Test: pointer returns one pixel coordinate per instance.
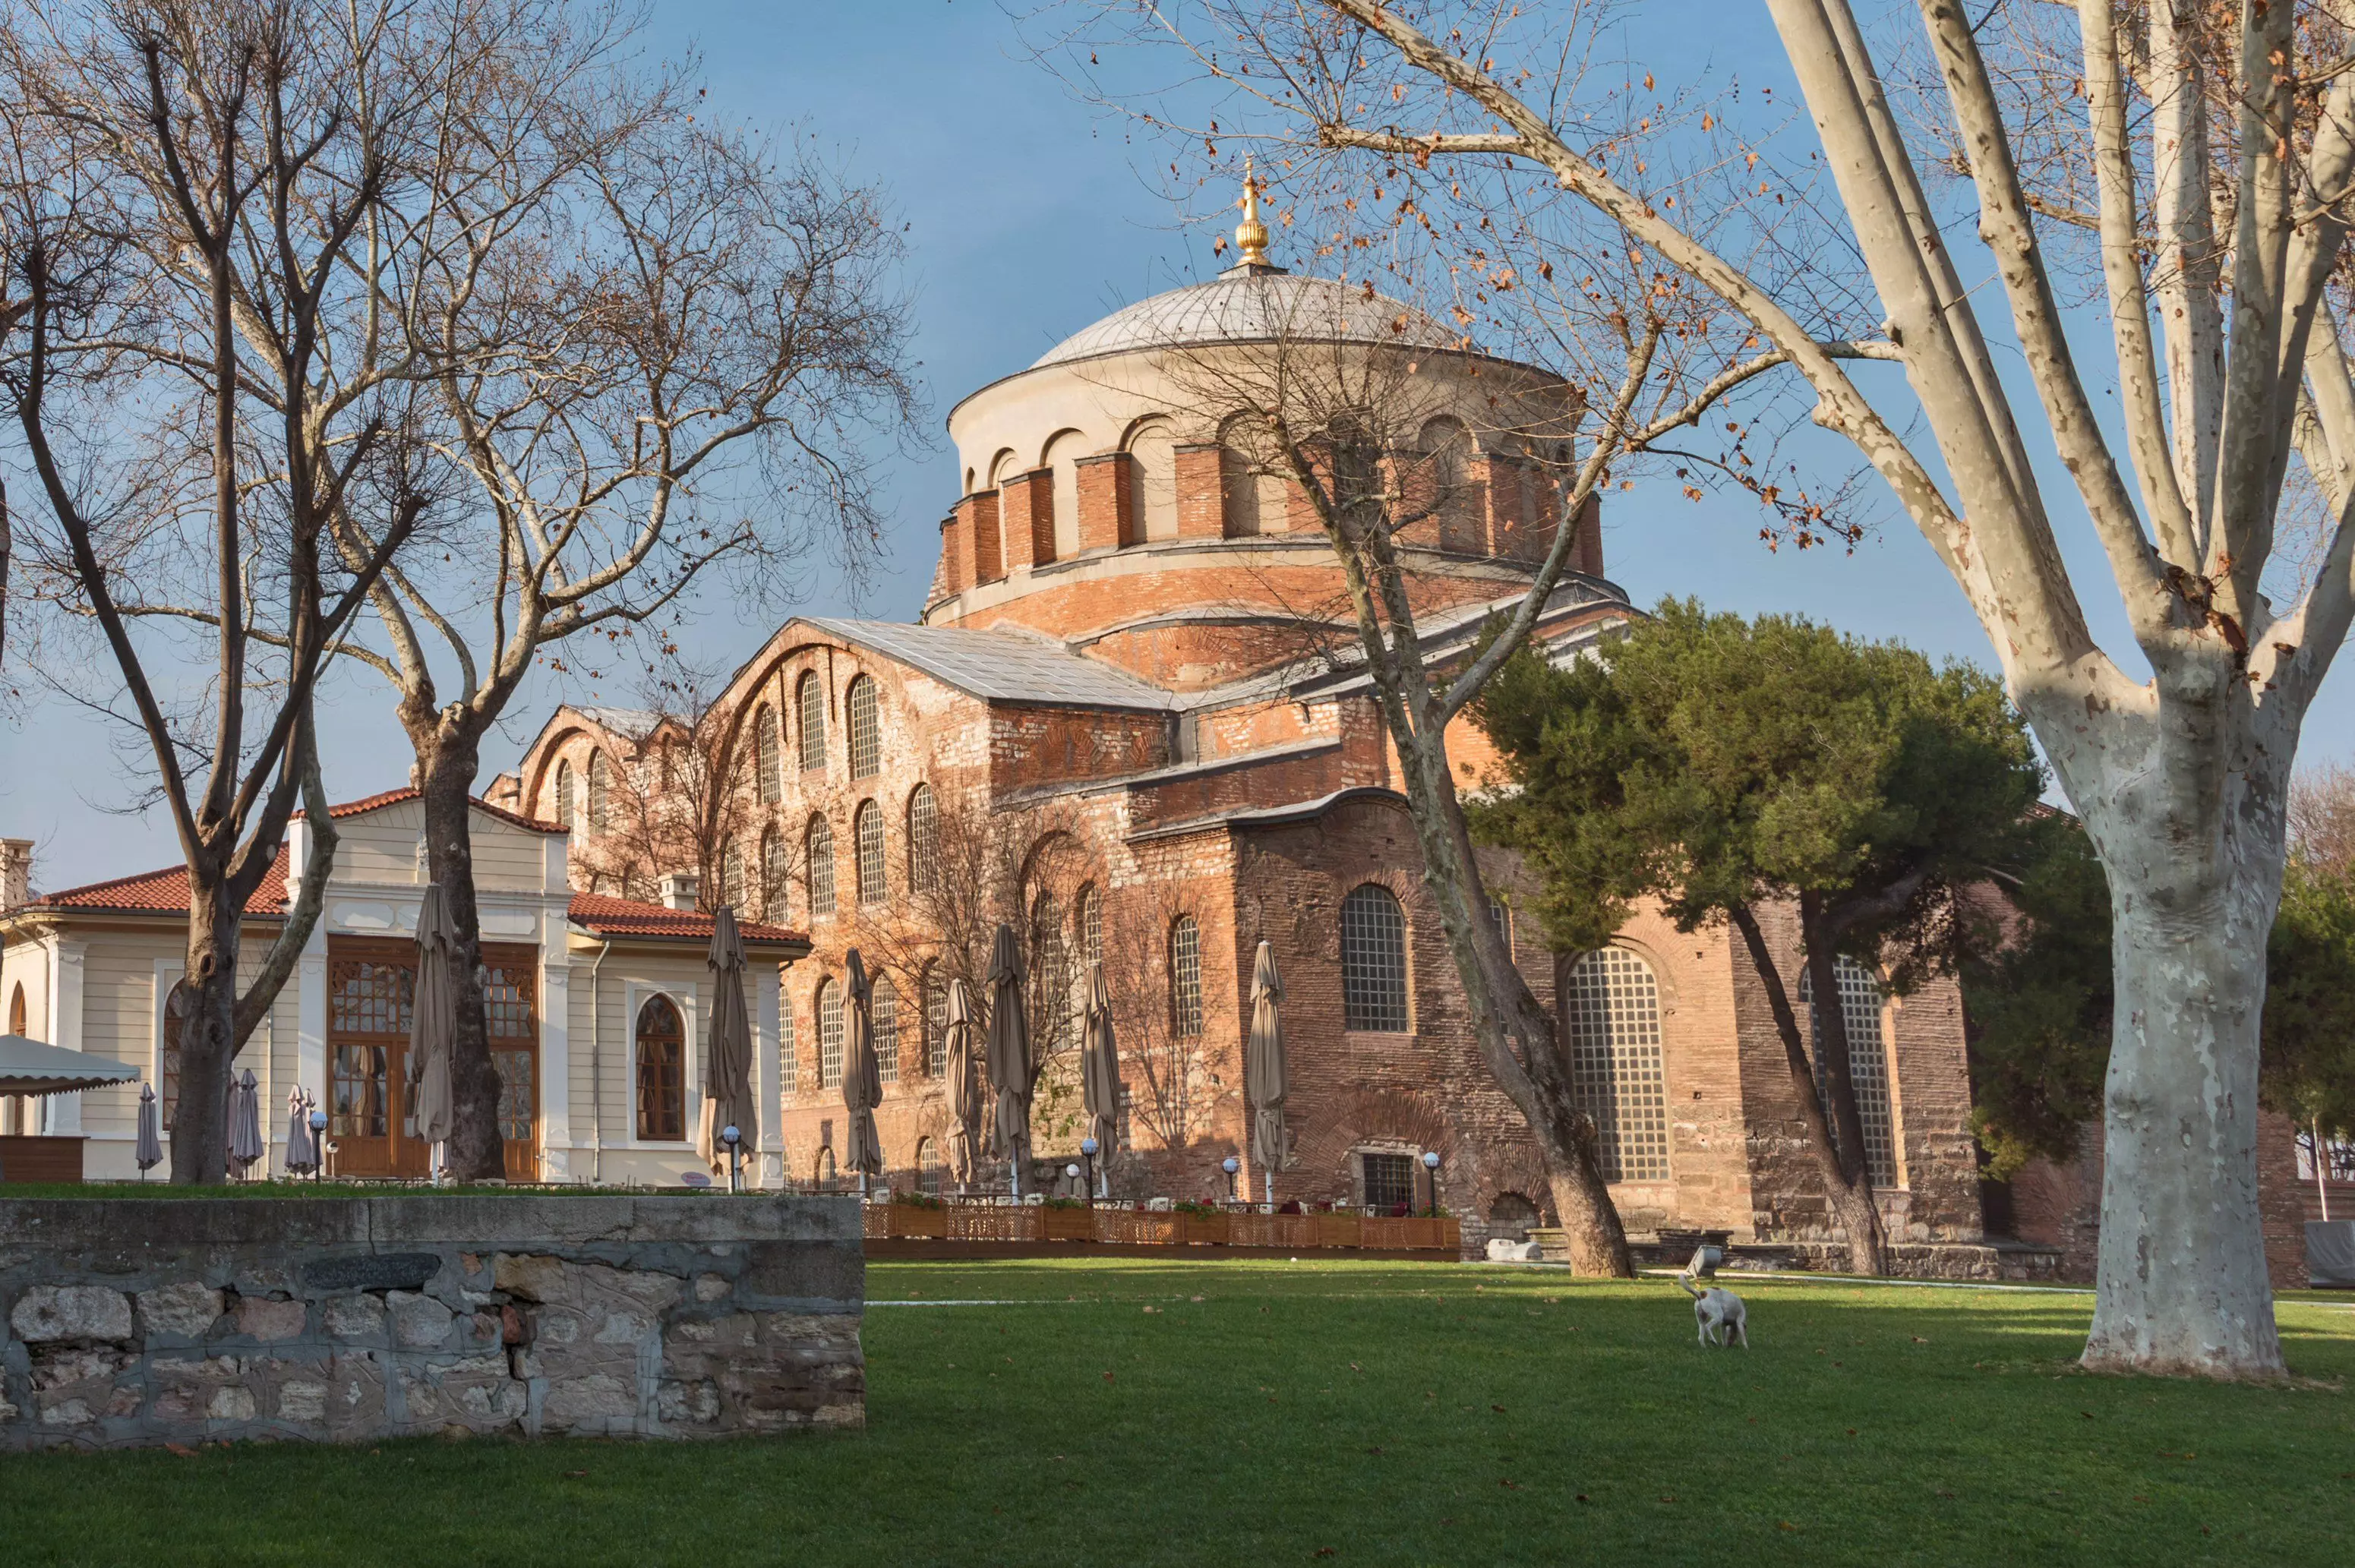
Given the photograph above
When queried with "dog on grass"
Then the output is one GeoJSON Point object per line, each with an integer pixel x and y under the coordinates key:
{"type": "Point", "coordinates": [1719, 1312]}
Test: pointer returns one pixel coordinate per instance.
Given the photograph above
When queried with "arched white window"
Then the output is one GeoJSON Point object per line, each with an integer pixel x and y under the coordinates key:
{"type": "Point", "coordinates": [568, 807]}
{"type": "Point", "coordinates": [883, 1013]}
{"type": "Point", "coordinates": [764, 755]}
{"type": "Point", "coordinates": [866, 730]}
{"type": "Point", "coordinates": [776, 875]}
{"type": "Point", "coordinates": [868, 826]}
{"type": "Point", "coordinates": [820, 854]}
{"type": "Point", "coordinates": [937, 1022]}
{"type": "Point", "coordinates": [731, 875]}
{"type": "Point", "coordinates": [1374, 960]}
{"type": "Point", "coordinates": [1153, 480]}
{"type": "Point", "coordinates": [829, 1035]}
{"type": "Point", "coordinates": [923, 839]}
{"type": "Point", "coordinates": [600, 808]}
{"type": "Point", "coordinates": [813, 717]}
{"type": "Point", "coordinates": [1186, 978]}
{"type": "Point", "coordinates": [789, 1043]}
{"type": "Point", "coordinates": [1052, 1014]}
{"type": "Point", "coordinates": [928, 1166]}
{"type": "Point", "coordinates": [1611, 1010]}
{"type": "Point", "coordinates": [1087, 915]}
{"type": "Point", "coordinates": [821, 1169]}
{"type": "Point", "coordinates": [1868, 1061]}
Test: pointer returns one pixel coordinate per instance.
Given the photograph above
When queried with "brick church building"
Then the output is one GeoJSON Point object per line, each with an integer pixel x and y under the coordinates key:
{"type": "Point", "coordinates": [1103, 730]}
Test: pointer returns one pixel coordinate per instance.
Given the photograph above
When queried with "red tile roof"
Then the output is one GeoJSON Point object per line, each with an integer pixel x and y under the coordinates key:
{"type": "Point", "coordinates": [627, 917]}
{"type": "Point", "coordinates": [395, 796]}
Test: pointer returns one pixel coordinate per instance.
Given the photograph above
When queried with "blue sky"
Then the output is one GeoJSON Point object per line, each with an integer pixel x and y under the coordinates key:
{"type": "Point", "coordinates": [1029, 220]}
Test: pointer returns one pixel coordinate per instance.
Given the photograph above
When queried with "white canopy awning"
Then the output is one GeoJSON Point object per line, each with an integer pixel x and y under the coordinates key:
{"type": "Point", "coordinates": [28, 1067]}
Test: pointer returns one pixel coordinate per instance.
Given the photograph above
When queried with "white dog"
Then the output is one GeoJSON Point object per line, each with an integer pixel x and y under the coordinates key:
{"type": "Point", "coordinates": [1719, 1312]}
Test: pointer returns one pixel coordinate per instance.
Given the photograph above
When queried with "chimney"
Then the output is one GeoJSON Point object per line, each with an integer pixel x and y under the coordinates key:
{"type": "Point", "coordinates": [16, 872]}
{"type": "Point", "coordinates": [679, 889]}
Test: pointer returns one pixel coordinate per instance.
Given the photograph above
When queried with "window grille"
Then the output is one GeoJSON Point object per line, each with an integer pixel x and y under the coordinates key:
{"type": "Point", "coordinates": [1868, 1061]}
{"type": "Point", "coordinates": [869, 827]}
{"type": "Point", "coordinates": [883, 1011]}
{"type": "Point", "coordinates": [731, 875]}
{"type": "Point", "coordinates": [821, 867]}
{"type": "Point", "coordinates": [866, 730]}
{"type": "Point", "coordinates": [928, 1166]}
{"type": "Point", "coordinates": [813, 700]}
{"type": "Point", "coordinates": [1389, 1180]}
{"type": "Point", "coordinates": [764, 755]}
{"type": "Point", "coordinates": [1504, 919]}
{"type": "Point", "coordinates": [776, 876]}
{"type": "Point", "coordinates": [924, 839]}
{"type": "Point", "coordinates": [1091, 925]}
{"type": "Point", "coordinates": [2340, 1153]}
{"type": "Point", "coordinates": [1186, 978]}
{"type": "Point", "coordinates": [567, 808]}
{"type": "Point", "coordinates": [789, 1044]}
{"type": "Point", "coordinates": [662, 1072]}
{"type": "Point", "coordinates": [937, 1022]}
{"type": "Point", "coordinates": [1126, 1124]}
{"type": "Point", "coordinates": [1374, 960]}
{"type": "Point", "coordinates": [1613, 1010]}
{"type": "Point", "coordinates": [829, 1036]}
{"type": "Point", "coordinates": [601, 806]}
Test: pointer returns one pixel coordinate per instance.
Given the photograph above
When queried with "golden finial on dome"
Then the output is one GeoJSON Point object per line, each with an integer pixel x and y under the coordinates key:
{"type": "Point", "coordinates": [1250, 234]}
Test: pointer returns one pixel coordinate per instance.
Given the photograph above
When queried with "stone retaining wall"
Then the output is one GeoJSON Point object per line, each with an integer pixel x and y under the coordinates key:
{"type": "Point", "coordinates": [136, 1322]}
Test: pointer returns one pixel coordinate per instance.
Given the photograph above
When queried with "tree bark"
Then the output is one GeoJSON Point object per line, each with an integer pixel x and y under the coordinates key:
{"type": "Point", "coordinates": [448, 759]}
{"type": "Point", "coordinates": [207, 1036]}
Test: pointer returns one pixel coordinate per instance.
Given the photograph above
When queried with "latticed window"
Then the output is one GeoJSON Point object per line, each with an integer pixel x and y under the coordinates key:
{"type": "Point", "coordinates": [1504, 919]}
{"type": "Point", "coordinates": [1374, 960]}
{"type": "Point", "coordinates": [732, 874]}
{"type": "Point", "coordinates": [662, 1072]}
{"type": "Point", "coordinates": [937, 1022]}
{"type": "Point", "coordinates": [178, 1005]}
{"type": "Point", "coordinates": [764, 754]}
{"type": "Point", "coordinates": [829, 1036]}
{"type": "Point", "coordinates": [1186, 978]}
{"type": "Point", "coordinates": [1389, 1180]}
{"type": "Point", "coordinates": [923, 839]}
{"type": "Point", "coordinates": [601, 789]}
{"type": "Point", "coordinates": [928, 1166]}
{"type": "Point", "coordinates": [507, 992]}
{"type": "Point", "coordinates": [866, 730]}
{"type": "Point", "coordinates": [776, 875]}
{"type": "Point", "coordinates": [789, 1043]}
{"type": "Point", "coordinates": [1052, 1015]}
{"type": "Point", "coordinates": [567, 809]}
{"type": "Point", "coordinates": [1611, 1010]}
{"type": "Point", "coordinates": [821, 867]}
{"type": "Point", "coordinates": [1868, 1061]}
{"type": "Point", "coordinates": [1091, 921]}
{"type": "Point", "coordinates": [813, 706]}
{"type": "Point", "coordinates": [883, 1010]}
{"type": "Point", "coordinates": [868, 826]}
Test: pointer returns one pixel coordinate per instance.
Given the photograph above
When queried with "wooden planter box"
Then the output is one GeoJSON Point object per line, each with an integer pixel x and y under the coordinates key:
{"type": "Point", "coordinates": [1129, 1227]}
{"type": "Point", "coordinates": [1208, 1230]}
{"type": "Point", "coordinates": [1294, 1231]}
{"type": "Point", "coordinates": [1067, 1224]}
{"type": "Point", "coordinates": [1416, 1232]}
{"type": "Point", "coordinates": [990, 1222]}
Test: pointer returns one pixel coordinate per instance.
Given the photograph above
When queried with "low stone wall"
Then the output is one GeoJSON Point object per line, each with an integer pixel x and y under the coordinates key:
{"type": "Point", "coordinates": [137, 1322]}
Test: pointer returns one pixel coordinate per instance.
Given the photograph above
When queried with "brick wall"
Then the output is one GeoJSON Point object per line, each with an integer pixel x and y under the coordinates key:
{"type": "Point", "coordinates": [1201, 493]}
{"type": "Point", "coordinates": [1108, 517]}
{"type": "Point", "coordinates": [1027, 505]}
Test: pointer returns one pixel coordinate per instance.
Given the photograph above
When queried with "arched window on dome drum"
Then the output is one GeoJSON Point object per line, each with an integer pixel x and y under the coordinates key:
{"type": "Point", "coordinates": [764, 755]}
{"type": "Point", "coordinates": [866, 730]}
{"type": "Point", "coordinates": [923, 839]}
{"type": "Point", "coordinates": [1251, 501]}
{"type": "Point", "coordinates": [820, 854]}
{"type": "Point", "coordinates": [813, 721]}
{"type": "Point", "coordinates": [936, 1003]}
{"type": "Point", "coordinates": [829, 1035]}
{"type": "Point", "coordinates": [1184, 979]}
{"type": "Point", "coordinates": [1868, 1061]}
{"type": "Point", "coordinates": [567, 810]}
{"type": "Point", "coordinates": [1061, 460]}
{"type": "Point", "coordinates": [662, 1072]}
{"type": "Point", "coordinates": [1374, 960]}
{"type": "Point", "coordinates": [776, 876]}
{"type": "Point", "coordinates": [600, 809]}
{"type": "Point", "coordinates": [883, 1013]}
{"type": "Point", "coordinates": [731, 875]}
{"type": "Point", "coordinates": [868, 826]}
{"type": "Point", "coordinates": [1153, 480]}
{"type": "Point", "coordinates": [1611, 1012]}
{"type": "Point", "coordinates": [1445, 450]}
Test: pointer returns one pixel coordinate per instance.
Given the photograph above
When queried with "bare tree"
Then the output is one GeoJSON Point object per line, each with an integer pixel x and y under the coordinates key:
{"type": "Point", "coordinates": [190, 197]}
{"type": "Point", "coordinates": [1168, 1069]}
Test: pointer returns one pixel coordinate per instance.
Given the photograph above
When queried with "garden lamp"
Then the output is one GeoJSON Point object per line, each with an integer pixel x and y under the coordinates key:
{"type": "Point", "coordinates": [319, 1137]}
{"type": "Point", "coordinates": [1088, 1147]}
{"type": "Point", "coordinates": [1231, 1165]}
{"type": "Point", "coordinates": [1431, 1164]}
{"type": "Point", "coordinates": [731, 1137]}
{"type": "Point", "coordinates": [1072, 1173]}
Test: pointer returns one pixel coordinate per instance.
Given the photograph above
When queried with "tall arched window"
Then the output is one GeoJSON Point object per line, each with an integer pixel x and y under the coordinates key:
{"type": "Point", "coordinates": [928, 1166]}
{"type": "Point", "coordinates": [789, 1043]}
{"type": "Point", "coordinates": [1374, 960]}
{"type": "Point", "coordinates": [764, 754]}
{"type": "Point", "coordinates": [813, 706]}
{"type": "Point", "coordinates": [662, 1072]}
{"type": "Point", "coordinates": [178, 1005]}
{"type": "Point", "coordinates": [1867, 1061]}
{"type": "Point", "coordinates": [16, 1010]}
{"type": "Point", "coordinates": [936, 1020]}
{"type": "Point", "coordinates": [823, 1170]}
{"type": "Point", "coordinates": [866, 730]}
{"type": "Point", "coordinates": [776, 875]}
{"type": "Point", "coordinates": [1153, 474]}
{"type": "Point", "coordinates": [731, 875]}
{"type": "Point", "coordinates": [1186, 978]}
{"type": "Point", "coordinates": [567, 809]}
{"type": "Point", "coordinates": [866, 828]}
{"type": "Point", "coordinates": [1087, 916]}
{"type": "Point", "coordinates": [829, 1035]}
{"type": "Point", "coordinates": [1052, 1014]}
{"type": "Point", "coordinates": [1445, 448]}
{"type": "Point", "coordinates": [1611, 1012]}
{"type": "Point", "coordinates": [924, 839]}
{"type": "Point", "coordinates": [883, 1012]}
{"type": "Point", "coordinates": [601, 784]}
{"type": "Point", "coordinates": [820, 854]}
{"type": "Point", "coordinates": [1251, 497]}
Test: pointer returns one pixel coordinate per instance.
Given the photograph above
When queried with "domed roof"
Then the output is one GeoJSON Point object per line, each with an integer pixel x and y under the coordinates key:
{"type": "Point", "coordinates": [1253, 303]}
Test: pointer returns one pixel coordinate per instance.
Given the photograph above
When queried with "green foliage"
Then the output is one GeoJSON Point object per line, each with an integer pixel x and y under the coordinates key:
{"type": "Point", "coordinates": [2307, 1064]}
{"type": "Point", "coordinates": [1707, 761]}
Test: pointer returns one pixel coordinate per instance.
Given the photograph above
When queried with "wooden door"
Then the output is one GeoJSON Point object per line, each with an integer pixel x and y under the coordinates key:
{"type": "Point", "coordinates": [371, 1003]}
{"type": "Point", "coordinates": [510, 1004]}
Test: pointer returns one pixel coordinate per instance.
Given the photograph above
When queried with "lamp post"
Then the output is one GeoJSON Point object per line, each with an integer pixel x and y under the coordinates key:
{"type": "Point", "coordinates": [730, 1136]}
{"type": "Point", "coordinates": [319, 1140]}
{"type": "Point", "coordinates": [1088, 1147]}
{"type": "Point", "coordinates": [1231, 1165]}
{"type": "Point", "coordinates": [1071, 1174]}
{"type": "Point", "coordinates": [1431, 1165]}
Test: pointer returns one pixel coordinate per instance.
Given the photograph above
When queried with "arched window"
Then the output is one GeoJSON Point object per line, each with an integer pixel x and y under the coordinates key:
{"type": "Point", "coordinates": [928, 1166]}
{"type": "Point", "coordinates": [937, 1022]}
{"type": "Point", "coordinates": [820, 854]}
{"type": "Point", "coordinates": [16, 1010]}
{"type": "Point", "coordinates": [1374, 960]}
{"type": "Point", "coordinates": [776, 875]}
{"type": "Point", "coordinates": [1061, 458]}
{"type": "Point", "coordinates": [1186, 978]}
{"type": "Point", "coordinates": [567, 809]}
{"type": "Point", "coordinates": [178, 1005]}
{"type": "Point", "coordinates": [1611, 1012]}
{"type": "Point", "coordinates": [883, 1012]}
{"type": "Point", "coordinates": [866, 730]}
{"type": "Point", "coordinates": [923, 839]}
{"type": "Point", "coordinates": [813, 706]}
{"type": "Point", "coordinates": [1051, 1012]}
{"type": "Point", "coordinates": [868, 830]}
{"type": "Point", "coordinates": [731, 875]}
{"type": "Point", "coordinates": [1867, 1061]}
{"type": "Point", "coordinates": [829, 1035]}
{"type": "Point", "coordinates": [1251, 497]}
{"type": "Point", "coordinates": [1087, 915]}
{"type": "Point", "coordinates": [823, 1170]}
{"type": "Point", "coordinates": [1445, 448]}
{"type": "Point", "coordinates": [601, 806]}
{"type": "Point", "coordinates": [764, 755]}
{"type": "Point", "coordinates": [662, 1072]}
{"type": "Point", "coordinates": [1153, 477]}
{"type": "Point", "coordinates": [789, 1043]}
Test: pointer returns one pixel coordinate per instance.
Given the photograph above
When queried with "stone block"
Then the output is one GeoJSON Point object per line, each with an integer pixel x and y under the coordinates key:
{"type": "Point", "coordinates": [354, 1316]}
{"type": "Point", "coordinates": [303, 1400]}
{"type": "Point", "coordinates": [56, 1367]}
{"type": "Point", "coordinates": [696, 1402]}
{"type": "Point", "coordinates": [260, 1317]}
{"type": "Point", "coordinates": [47, 1312]}
{"type": "Point", "coordinates": [233, 1402]}
{"type": "Point", "coordinates": [594, 1399]}
{"type": "Point", "coordinates": [711, 1286]}
{"type": "Point", "coordinates": [185, 1309]}
{"type": "Point", "coordinates": [419, 1322]}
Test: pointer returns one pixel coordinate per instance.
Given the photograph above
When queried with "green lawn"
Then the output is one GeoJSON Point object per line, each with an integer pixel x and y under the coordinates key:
{"type": "Point", "coordinates": [1247, 1413]}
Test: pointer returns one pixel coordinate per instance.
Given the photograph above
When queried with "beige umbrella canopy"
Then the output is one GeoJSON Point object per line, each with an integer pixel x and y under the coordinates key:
{"type": "Point", "coordinates": [1266, 1078]}
{"type": "Point", "coordinates": [1009, 1055]}
{"type": "Point", "coordinates": [434, 1022]}
{"type": "Point", "coordinates": [862, 1080]}
{"type": "Point", "coordinates": [727, 1051]}
{"type": "Point", "coordinates": [150, 1151]}
{"type": "Point", "coordinates": [245, 1144]}
{"type": "Point", "coordinates": [964, 1086]}
{"type": "Point", "coordinates": [1100, 1069]}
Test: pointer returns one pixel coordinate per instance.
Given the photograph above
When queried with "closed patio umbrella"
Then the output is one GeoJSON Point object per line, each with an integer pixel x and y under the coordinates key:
{"type": "Point", "coordinates": [302, 1151]}
{"type": "Point", "coordinates": [434, 1023]}
{"type": "Point", "coordinates": [964, 1086]}
{"type": "Point", "coordinates": [728, 1052]}
{"type": "Point", "coordinates": [1265, 1075]}
{"type": "Point", "coordinates": [149, 1152]}
{"type": "Point", "coordinates": [245, 1144]}
{"type": "Point", "coordinates": [1100, 1069]}
{"type": "Point", "coordinates": [862, 1081]}
{"type": "Point", "coordinates": [1009, 1055]}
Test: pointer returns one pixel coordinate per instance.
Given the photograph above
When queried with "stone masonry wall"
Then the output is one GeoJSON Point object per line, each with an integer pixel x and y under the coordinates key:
{"type": "Point", "coordinates": [135, 1323]}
